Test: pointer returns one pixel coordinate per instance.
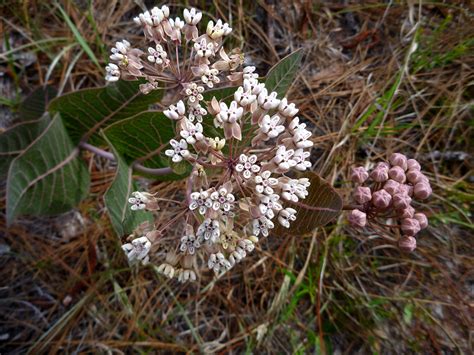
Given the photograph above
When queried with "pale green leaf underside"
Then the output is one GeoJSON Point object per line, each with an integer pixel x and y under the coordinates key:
{"type": "Point", "coordinates": [48, 177]}
{"type": "Point", "coordinates": [124, 220]}
{"type": "Point", "coordinates": [281, 75]}
{"type": "Point", "coordinates": [17, 138]}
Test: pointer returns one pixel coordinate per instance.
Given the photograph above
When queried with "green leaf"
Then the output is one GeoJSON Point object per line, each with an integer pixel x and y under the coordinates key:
{"type": "Point", "coordinates": [321, 206]}
{"type": "Point", "coordinates": [84, 112]}
{"type": "Point", "coordinates": [14, 140]}
{"type": "Point", "coordinates": [34, 105]}
{"type": "Point", "coordinates": [281, 75]}
{"type": "Point", "coordinates": [48, 177]}
{"type": "Point", "coordinates": [123, 219]}
{"type": "Point", "coordinates": [137, 136]}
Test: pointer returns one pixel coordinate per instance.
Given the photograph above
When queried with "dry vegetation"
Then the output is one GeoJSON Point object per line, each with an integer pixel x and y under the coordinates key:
{"type": "Point", "coordinates": [65, 284]}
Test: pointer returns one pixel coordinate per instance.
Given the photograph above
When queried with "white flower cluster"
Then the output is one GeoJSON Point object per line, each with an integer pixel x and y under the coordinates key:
{"type": "Point", "coordinates": [241, 183]}
{"type": "Point", "coordinates": [162, 62]}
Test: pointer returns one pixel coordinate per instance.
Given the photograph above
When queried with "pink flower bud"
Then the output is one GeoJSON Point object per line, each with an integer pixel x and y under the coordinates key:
{"type": "Point", "coordinates": [407, 244]}
{"type": "Point", "coordinates": [362, 194]}
{"type": "Point", "coordinates": [408, 212]}
{"type": "Point", "coordinates": [379, 174]}
{"type": "Point", "coordinates": [422, 190]}
{"type": "Point", "coordinates": [410, 226]}
{"type": "Point", "coordinates": [381, 199]}
{"type": "Point", "coordinates": [412, 164]}
{"type": "Point", "coordinates": [421, 218]}
{"type": "Point", "coordinates": [398, 174]}
{"type": "Point", "coordinates": [359, 174]}
{"type": "Point", "coordinates": [391, 186]}
{"type": "Point", "coordinates": [401, 201]}
{"type": "Point", "coordinates": [397, 159]}
{"type": "Point", "coordinates": [382, 165]}
{"type": "Point", "coordinates": [406, 189]}
{"type": "Point", "coordinates": [357, 218]}
{"type": "Point", "coordinates": [414, 176]}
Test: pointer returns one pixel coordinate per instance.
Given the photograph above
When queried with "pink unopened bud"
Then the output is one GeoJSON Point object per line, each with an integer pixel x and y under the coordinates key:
{"type": "Point", "coordinates": [381, 199]}
{"type": "Point", "coordinates": [408, 212]}
{"type": "Point", "coordinates": [391, 186]}
{"type": "Point", "coordinates": [382, 165]}
{"type": "Point", "coordinates": [398, 174]}
{"type": "Point", "coordinates": [362, 194]}
{"type": "Point", "coordinates": [401, 201]}
{"type": "Point", "coordinates": [421, 218]}
{"type": "Point", "coordinates": [412, 164]}
{"type": "Point", "coordinates": [379, 174]}
{"type": "Point", "coordinates": [406, 189]}
{"type": "Point", "coordinates": [415, 176]}
{"type": "Point", "coordinates": [357, 218]}
{"type": "Point", "coordinates": [359, 174]}
{"type": "Point", "coordinates": [397, 159]}
{"type": "Point", "coordinates": [422, 190]}
{"type": "Point", "coordinates": [407, 244]}
{"type": "Point", "coordinates": [410, 226]}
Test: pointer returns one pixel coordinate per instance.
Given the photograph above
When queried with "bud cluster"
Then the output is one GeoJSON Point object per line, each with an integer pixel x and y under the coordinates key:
{"type": "Point", "coordinates": [387, 192]}
{"type": "Point", "coordinates": [241, 182]}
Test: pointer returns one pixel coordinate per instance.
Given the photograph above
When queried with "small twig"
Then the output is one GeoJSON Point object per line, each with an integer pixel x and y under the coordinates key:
{"type": "Point", "coordinates": [107, 155]}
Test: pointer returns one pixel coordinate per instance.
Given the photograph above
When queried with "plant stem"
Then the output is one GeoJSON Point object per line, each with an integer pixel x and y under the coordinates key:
{"type": "Point", "coordinates": [107, 155]}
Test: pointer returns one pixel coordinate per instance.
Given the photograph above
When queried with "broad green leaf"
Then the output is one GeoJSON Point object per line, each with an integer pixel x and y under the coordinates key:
{"type": "Point", "coordinates": [281, 75]}
{"type": "Point", "coordinates": [137, 136]}
{"type": "Point", "coordinates": [48, 177]}
{"type": "Point", "coordinates": [116, 197]}
{"type": "Point", "coordinates": [14, 140]}
{"type": "Point", "coordinates": [34, 105]}
{"type": "Point", "coordinates": [84, 112]}
{"type": "Point", "coordinates": [321, 206]}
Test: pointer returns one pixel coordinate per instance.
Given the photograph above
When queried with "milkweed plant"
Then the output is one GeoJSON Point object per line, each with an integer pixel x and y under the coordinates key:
{"type": "Point", "coordinates": [232, 135]}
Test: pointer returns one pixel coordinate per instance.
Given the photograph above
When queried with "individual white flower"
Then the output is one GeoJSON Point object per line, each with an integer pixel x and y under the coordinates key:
{"type": "Point", "coordinates": [269, 205]}
{"type": "Point", "coordinates": [284, 158]}
{"type": "Point", "coordinates": [237, 255]}
{"type": "Point", "coordinates": [244, 98]}
{"type": "Point", "coordinates": [218, 30]}
{"type": "Point", "coordinates": [268, 101]}
{"type": "Point", "coordinates": [158, 55]}
{"type": "Point", "coordinates": [271, 126]}
{"type": "Point", "coordinates": [204, 49]}
{"type": "Point", "coordinates": [144, 19]}
{"type": "Point", "coordinates": [222, 200]}
{"type": "Point", "coordinates": [189, 244]}
{"type": "Point", "coordinates": [286, 216]}
{"type": "Point", "coordinates": [192, 132]}
{"type": "Point", "coordinates": [262, 225]}
{"type": "Point", "coordinates": [218, 263]}
{"type": "Point", "coordinates": [196, 112]}
{"type": "Point", "coordinates": [248, 73]}
{"type": "Point", "coordinates": [216, 144]}
{"type": "Point", "coordinates": [247, 166]}
{"type": "Point", "coordinates": [286, 109]}
{"type": "Point", "coordinates": [301, 139]}
{"type": "Point", "coordinates": [185, 275]}
{"type": "Point", "coordinates": [157, 16]}
{"type": "Point", "coordinates": [175, 112]}
{"type": "Point", "coordinates": [177, 24]}
{"type": "Point", "coordinates": [209, 230]}
{"type": "Point", "coordinates": [192, 17]}
{"type": "Point", "coordinates": [137, 250]}
{"type": "Point", "coordinates": [229, 114]}
{"type": "Point", "coordinates": [194, 93]}
{"type": "Point", "coordinates": [254, 86]}
{"type": "Point", "coordinates": [201, 201]}
{"type": "Point", "coordinates": [166, 270]}
{"type": "Point", "coordinates": [138, 201]}
{"type": "Point", "coordinates": [295, 125]}
{"type": "Point", "coordinates": [112, 72]}
{"type": "Point", "coordinates": [293, 189]}
{"type": "Point", "coordinates": [210, 77]}
{"type": "Point", "coordinates": [119, 52]}
{"type": "Point", "coordinates": [264, 183]}
{"type": "Point", "coordinates": [179, 151]}
{"type": "Point", "coordinates": [300, 157]}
